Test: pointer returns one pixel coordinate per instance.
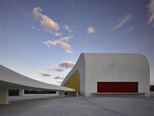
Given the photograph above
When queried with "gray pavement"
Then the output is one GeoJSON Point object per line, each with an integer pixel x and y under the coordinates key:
{"type": "Point", "coordinates": [78, 106]}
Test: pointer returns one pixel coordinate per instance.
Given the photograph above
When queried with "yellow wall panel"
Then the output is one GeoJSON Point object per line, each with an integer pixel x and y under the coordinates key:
{"type": "Point", "coordinates": [74, 81]}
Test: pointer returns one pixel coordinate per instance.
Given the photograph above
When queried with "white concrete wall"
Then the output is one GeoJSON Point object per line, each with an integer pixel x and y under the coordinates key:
{"type": "Point", "coordinates": [152, 94]}
{"type": "Point", "coordinates": [80, 65]}
{"type": "Point", "coordinates": [116, 68]}
{"type": "Point", "coordinates": [103, 67]}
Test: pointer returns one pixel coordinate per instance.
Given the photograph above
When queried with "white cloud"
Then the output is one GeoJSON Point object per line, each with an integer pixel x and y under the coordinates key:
{"type": "Point", "coordinates": [151, 12]}
{"type": "Point", "coordinates": [59, 69]}
{"type": "Point", "coordinates": [91, 30]}
{"type": "Point", "coordinates": [43, 73]}
{"type": "Point", "coordinates": [36, 11]}
{"type": "Point", "coordinates": [49, 24]}
{"type": "Point", "coordinates": [62, 43]}
{"type": "Point", "coordinates": [68, 28]}
{"type": "Point", "coordinates": [67, 64]}
{"type": "Point", "coordinates": [121, 22]}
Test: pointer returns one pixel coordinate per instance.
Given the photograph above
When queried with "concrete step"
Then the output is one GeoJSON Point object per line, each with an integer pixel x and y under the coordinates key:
{"type": "Point", "coordinates": [118, 94]}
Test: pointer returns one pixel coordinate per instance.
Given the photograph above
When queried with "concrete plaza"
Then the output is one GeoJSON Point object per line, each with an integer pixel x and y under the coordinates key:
{"type": "Point", "coordinates": [78, 106]}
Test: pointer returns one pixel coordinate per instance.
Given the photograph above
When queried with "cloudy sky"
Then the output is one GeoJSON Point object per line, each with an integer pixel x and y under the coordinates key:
{"type": "Point", "coordinates": [43, 39]}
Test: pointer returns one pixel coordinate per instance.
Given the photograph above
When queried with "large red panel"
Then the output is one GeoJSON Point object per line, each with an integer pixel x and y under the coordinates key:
{"type": "Point", "coordinates": [117, 87]}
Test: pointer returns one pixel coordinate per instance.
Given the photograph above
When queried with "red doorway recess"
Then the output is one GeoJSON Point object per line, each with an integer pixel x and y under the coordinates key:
{"type": "Point", "coordinates": [117, 87]}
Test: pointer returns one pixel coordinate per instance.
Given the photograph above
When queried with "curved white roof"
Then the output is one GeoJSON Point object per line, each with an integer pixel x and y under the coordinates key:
{"type": "Point", "coordinates": [13, 80]}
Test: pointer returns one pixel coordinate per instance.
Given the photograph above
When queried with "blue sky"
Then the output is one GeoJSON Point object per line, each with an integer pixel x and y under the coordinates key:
{"type": "Point", "coordinates": [43, 39]}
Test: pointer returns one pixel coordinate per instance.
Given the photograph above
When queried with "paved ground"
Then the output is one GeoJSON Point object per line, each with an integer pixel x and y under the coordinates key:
{"type": "Point", "coordinates": [78, 106]}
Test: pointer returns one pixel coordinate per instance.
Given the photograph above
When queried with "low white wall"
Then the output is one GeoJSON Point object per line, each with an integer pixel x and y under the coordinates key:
{"type": "Point", "coordinates": [53, 95]}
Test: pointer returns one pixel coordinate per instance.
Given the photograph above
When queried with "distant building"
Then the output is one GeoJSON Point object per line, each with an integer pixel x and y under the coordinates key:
{"type": "Point", "coordinates": [112, 73]}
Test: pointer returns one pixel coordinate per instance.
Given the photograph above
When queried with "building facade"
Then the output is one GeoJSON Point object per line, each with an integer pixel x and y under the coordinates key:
{"type": "Point", "coordinates": [109, 73]}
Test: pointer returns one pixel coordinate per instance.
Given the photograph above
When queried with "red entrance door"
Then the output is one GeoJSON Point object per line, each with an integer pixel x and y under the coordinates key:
{"type": "Point", "coordinates": [117, 87]}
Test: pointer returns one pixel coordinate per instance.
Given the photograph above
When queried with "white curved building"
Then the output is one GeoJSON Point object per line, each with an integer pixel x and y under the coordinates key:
{"type": "Point", "coordinates": [13, 80]}
{"type": "Point", "coordinates": [103, 73]}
